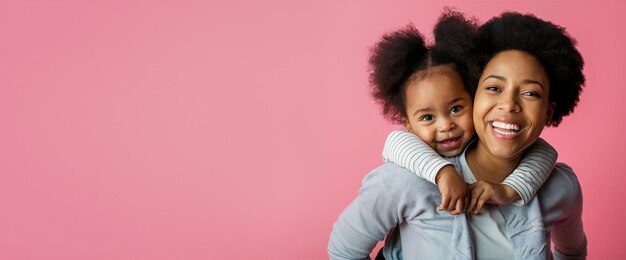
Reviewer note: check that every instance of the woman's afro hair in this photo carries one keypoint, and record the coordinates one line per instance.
(402, 53)
(547, 42)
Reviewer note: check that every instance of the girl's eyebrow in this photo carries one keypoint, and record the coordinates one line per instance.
(455, 100)
(427, 109)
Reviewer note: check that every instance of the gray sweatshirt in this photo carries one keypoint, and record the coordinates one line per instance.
(393, 196)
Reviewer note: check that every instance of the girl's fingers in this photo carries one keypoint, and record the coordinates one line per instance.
(475, 194)
(445, 200)
(459, 207)
(484, 197)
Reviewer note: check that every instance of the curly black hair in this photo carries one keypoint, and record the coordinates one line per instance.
(549, 43)
(402, 54)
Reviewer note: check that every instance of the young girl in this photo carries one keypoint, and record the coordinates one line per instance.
(427, 90)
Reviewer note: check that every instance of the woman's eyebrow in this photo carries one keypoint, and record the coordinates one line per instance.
(495, 77)
(526, 81)
(530, 81)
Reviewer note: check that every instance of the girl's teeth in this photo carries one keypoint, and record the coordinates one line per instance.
(503, 125)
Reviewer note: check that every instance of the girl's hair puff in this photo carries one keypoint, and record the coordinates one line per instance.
(401, 54)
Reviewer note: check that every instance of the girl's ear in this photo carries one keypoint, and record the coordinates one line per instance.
(407, 125)
(551, 107)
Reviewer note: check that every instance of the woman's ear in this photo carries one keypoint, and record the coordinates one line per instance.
(407, 125)
(551, 107)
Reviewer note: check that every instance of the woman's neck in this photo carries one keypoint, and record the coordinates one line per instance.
(487, 167)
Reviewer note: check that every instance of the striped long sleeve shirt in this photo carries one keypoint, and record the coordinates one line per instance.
(410, 152)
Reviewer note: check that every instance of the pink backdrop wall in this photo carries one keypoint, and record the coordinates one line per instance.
(238, 130)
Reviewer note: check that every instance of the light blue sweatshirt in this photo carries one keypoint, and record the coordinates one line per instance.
(392, 196)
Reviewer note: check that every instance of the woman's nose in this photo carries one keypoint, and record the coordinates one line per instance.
(509, 102)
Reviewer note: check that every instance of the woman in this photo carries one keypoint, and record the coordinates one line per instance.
(531, 77)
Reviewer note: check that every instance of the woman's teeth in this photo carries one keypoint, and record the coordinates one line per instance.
(504, 128)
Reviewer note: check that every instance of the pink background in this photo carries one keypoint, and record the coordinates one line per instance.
(238, 130)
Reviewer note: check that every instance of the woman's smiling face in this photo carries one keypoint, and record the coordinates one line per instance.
(511, 105)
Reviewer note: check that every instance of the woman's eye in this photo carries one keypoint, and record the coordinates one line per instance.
(531, 94)
(426, 117)
(455, 109)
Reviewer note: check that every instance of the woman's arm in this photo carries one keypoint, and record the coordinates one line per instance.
(568, 234)
(367, 220)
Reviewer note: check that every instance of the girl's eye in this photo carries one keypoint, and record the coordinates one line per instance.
(493, 88)
(427, 118)
(456, 109)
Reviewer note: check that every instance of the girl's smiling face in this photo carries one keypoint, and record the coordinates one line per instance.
(439, 110)
(511, 105)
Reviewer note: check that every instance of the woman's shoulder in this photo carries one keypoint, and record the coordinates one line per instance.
(399, 182)
(561, 189)
(563, 176)
(396, 176)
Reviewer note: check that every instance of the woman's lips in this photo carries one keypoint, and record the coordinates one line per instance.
(506, 131)
(451, 143)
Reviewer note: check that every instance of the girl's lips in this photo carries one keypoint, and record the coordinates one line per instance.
(451, 143)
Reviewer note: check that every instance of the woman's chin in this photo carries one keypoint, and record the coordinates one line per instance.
(506, 152)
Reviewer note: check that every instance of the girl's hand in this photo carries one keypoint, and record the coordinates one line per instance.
(482, 192)
(453, 190)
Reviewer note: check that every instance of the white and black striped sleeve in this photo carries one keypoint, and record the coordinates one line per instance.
(532, 171)
(409, 151)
